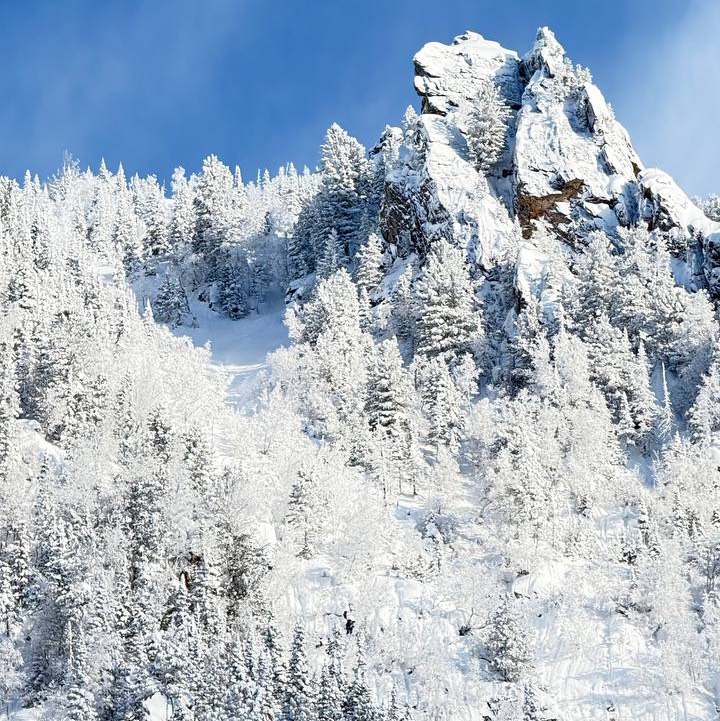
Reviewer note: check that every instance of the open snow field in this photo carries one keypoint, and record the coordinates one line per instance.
(239, 347)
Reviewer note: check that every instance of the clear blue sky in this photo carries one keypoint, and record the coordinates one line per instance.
(161, 83)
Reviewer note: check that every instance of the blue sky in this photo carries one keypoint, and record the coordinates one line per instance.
(161, 83)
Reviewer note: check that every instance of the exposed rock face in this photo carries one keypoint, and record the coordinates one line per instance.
(569, 167)
(570, 149)
(448, 77)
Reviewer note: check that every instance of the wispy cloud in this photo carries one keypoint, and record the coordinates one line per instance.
(110, 75)
(672, 99)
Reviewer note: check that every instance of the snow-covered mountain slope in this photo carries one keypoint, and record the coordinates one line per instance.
(239, 349)
(470, 473)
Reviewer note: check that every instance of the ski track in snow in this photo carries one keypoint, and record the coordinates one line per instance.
(239, 347)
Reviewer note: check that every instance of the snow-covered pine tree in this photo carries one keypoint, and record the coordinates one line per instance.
(301, 512)
(212, 204)
(369, 270)
(359, 705)
(704, 415)
(404, 310)
(182, 220)
(233, 287)
(330, 696)
(389, 393)
(127, 235)
(449, 322)
(300, 692)
(346, 182)
(486, 126)
(508, 642)
(444, 404)
(149, 201)
(9, 405)
(665, 418)
(328, 262)
(171, 305)
(624, 379)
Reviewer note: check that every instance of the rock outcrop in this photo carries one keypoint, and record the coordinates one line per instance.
(568, 169)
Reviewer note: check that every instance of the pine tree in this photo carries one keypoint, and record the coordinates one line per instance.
(9, 406)
(300, 694)
(389, 392)
(704, 415)
(404, 312)
(212, 205)
(301, 512)
(8, 606)
(182, 222)
(198, 459)
(449, 322)
(444, 403)
(328, 261)
(330, 699)
(365, 310)
(624, 379)
(171, 304)
(369, 271)
(150, 208)
(176, 664)
(127, 235)
(508, 641)
(79, 700)
(11, 673)
(487, 126)
(346, 182)
(358, 704)
(533, 708)
(233, 289)
(665, 419)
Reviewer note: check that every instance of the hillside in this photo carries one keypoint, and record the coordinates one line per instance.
(474, 475)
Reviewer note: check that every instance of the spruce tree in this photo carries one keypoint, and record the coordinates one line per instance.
(508, 641)
(171, 304)
(346, 182)
(9, 406)
(182, 221)
(487, 126)
(233, 289)
(449, 322)
(444, 403)
(300, 692)
(389, 393)
(328, 262)
(369, 270)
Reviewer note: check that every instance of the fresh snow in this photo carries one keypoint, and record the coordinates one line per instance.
(239, 349)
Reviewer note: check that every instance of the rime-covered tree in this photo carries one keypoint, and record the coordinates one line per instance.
(369, 270)
(328, 261)
(182, 220)
(9, 405)
(444, 403)
(486, 126)
(300, 692)
(171, 304)
(449, 322)
(508, 641)
(389, 393)
(212, 205)
(346, 182)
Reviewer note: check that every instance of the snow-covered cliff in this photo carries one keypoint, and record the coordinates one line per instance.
(569, 167)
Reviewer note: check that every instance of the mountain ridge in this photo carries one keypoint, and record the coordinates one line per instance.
(480, 481)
